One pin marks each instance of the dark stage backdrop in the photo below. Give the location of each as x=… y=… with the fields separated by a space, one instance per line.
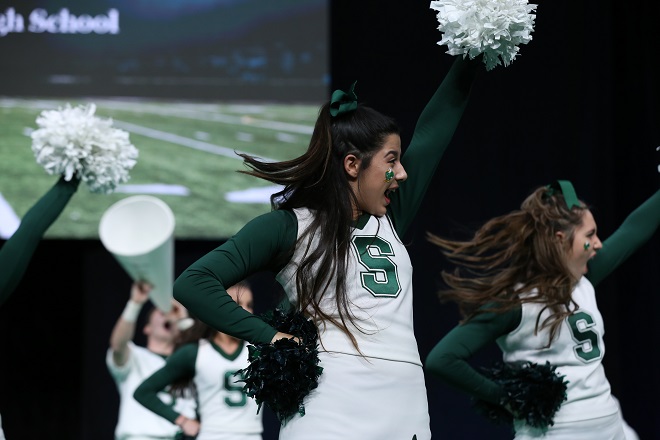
x=580 y=103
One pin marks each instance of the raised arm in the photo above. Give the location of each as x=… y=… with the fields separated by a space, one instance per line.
x=124 y=328
x=16 y=253
x=635 y=230
x=433 y=132
x=449 y=358
x=201 y=288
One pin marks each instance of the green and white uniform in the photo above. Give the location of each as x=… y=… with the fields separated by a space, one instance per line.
x=135 y=422
x=381 y=272
x=379 y=285
x=577 y=351
x=379 y=288
x=225 y=411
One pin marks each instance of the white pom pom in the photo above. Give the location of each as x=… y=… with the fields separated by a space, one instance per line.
x=73 y=142
x=494 y=28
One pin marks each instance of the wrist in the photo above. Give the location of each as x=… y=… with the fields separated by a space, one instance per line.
x=131 y=311
x=180 y=420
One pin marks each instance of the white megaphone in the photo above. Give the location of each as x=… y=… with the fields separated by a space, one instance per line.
x=138 y=231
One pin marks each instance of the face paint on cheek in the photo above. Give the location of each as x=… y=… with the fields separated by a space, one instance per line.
x=389 y=175
x=587 y=245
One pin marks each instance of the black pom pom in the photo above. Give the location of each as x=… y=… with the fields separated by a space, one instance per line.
x=282 y=374
x=533 y=392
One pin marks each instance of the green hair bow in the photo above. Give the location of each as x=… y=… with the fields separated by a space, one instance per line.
x=564 y=187
x=343 y=102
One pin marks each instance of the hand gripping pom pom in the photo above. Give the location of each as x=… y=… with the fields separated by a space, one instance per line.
x=494 y=28
x=283 y=373
x=533 y=393
x=73 y=142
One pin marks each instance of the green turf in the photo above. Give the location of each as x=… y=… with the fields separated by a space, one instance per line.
x=204 y=213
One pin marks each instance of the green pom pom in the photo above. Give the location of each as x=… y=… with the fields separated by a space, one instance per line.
x=282 y=374
x=533 y=392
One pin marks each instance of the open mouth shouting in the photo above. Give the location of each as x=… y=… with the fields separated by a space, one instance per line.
x=388 y=195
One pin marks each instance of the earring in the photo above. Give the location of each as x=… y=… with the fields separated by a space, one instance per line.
x=389 y=175
x=587 y=245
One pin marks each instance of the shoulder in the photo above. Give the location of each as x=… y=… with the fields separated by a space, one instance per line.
x=382 y=226
x=584 y=283
x=272 y=227
x=135 y=354
x=282 y=218
x=191 y=347
x=303 y=217
x=132 y=350
x=203 y=345
x=584 y=288
x=138 y=352
x=185 y=354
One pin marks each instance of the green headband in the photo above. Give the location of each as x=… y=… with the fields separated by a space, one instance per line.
x=565 y=188
x=342 y=102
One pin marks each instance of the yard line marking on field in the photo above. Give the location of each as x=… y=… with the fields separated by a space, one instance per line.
x=253 y=195
x=184 y=141
x=209 y=115
x=9 y=221
x=282 y=126
x=180 y=111
x=153 y=188
x=286 y=137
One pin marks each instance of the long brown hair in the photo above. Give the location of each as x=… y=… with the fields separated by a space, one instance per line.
x=317 y=181
x=516 y=253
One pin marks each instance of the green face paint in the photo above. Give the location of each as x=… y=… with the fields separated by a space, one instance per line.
x=389 y=175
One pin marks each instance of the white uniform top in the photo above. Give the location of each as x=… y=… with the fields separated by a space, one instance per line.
x=383 y=394
x=224 y=409
x=135 y=421
x=378 y=288
x=577 y=352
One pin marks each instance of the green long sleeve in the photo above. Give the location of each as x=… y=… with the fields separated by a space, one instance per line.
x=201 y=288
x=16 y=253
x=433 y=133
x=448 y=360
x=180 y=365
x=635 y=230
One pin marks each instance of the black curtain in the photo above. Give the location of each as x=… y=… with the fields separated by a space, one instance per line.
x=580 y=102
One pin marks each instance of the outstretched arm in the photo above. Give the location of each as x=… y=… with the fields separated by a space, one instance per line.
x=635 y=230
x=449 y=358
x=16 y=253
x=433 y=133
